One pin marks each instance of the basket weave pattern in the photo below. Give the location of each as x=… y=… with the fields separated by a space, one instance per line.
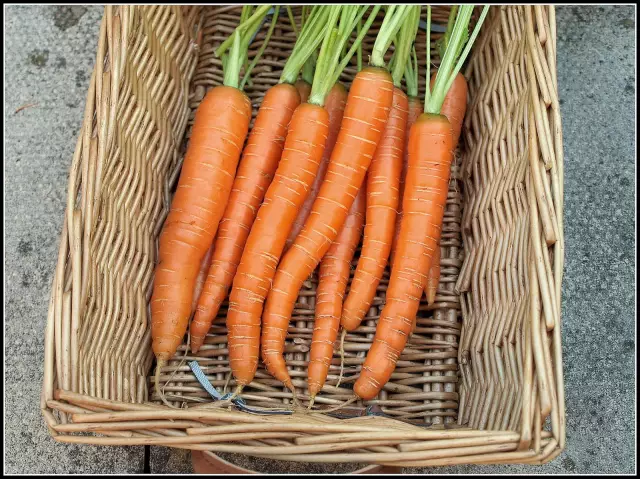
x=483 y=370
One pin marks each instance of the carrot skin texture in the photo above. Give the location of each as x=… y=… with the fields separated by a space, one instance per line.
x=334 y=104
x=365 y=115
x=298 y=166
x=255 y=172
x=383 y=180
x=433 y=278
x=455 y=104
x=415 y=110
x=333 y=277
x=202 y=276
x=304 y=89
x=427 y=181
x=219 y=131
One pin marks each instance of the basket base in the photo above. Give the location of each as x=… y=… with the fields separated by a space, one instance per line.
x=209 y=463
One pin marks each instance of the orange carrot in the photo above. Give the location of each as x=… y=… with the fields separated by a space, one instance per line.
x=430 y=155
x=298 y=166
x=255 y=173
x=433 y=278
x=415 y=110
x=304 y=89
x=382 y=202
x=365 y=114
x=202 y=276
x=426 y=186
x=257 y=168
x=336 y=100
x=333 y=276
x=455 y=104
x=219 y=131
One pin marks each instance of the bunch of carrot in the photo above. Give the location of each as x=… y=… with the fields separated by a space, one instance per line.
x=320 y=166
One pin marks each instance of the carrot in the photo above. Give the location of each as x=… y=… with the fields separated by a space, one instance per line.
x=304 y=84
x=256 y=170
x=219 y=131
x=304 y=88
x=430 y=155
x=365 y=115
x=433 y=277
x=382 y=191
x=455 y=104
x=333 y=276
x=382 y=202
x=201 y=278
x=415 y=110
x=335 y=103
x=303 y=149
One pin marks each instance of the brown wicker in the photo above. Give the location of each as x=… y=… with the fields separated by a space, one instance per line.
x=481 y=375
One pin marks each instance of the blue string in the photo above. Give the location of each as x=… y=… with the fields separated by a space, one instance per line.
x=237 y=401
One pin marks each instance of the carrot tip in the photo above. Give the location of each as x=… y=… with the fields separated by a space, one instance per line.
x=311 y=401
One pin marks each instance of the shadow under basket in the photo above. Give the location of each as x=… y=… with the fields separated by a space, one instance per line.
x=480 y=381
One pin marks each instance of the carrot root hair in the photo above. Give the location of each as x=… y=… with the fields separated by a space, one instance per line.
x=160 y=390
x=351 y=400
x=311 y=401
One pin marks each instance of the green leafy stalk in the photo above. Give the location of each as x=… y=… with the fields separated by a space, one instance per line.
x=427 y=93
x=330 y=66
x=252 y=65
x=359 y=50
x=309 y=68
x=393 y=19
x=403 y=42
x=250 y=22
x=292 y=21
x=357 y=44
x=451 y=64
x=310 y=37
x=411 y=74
x=244 y=25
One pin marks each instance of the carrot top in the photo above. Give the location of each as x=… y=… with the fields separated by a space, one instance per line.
x=311 y=34
x=403 y=44
x=329 y=65
x=411 y=74
x=393 y=20
x=238 y=43
x=255 y=60
x=454 y=56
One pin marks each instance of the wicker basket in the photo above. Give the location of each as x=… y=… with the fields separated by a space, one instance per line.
x=478 y=380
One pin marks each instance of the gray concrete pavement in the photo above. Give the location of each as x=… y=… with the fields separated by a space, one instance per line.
x=49 y=56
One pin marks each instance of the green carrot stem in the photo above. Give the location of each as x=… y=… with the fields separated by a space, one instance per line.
x=411 y=74
x=359 y=50
x=358 y=42
x=403 y=42
x=309 y=68
x=467 y=48
x=234 y=63
x=257 y=16
x=449 y=67
x=292 y=20
x=252 y=65
x=427 y=93
x=310 y=37
x=390 y=25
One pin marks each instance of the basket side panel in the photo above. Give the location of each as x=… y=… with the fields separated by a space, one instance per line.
x=510 y=280
x=125 y=161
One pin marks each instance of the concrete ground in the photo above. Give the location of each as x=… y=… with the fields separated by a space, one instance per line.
x=49 y=56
